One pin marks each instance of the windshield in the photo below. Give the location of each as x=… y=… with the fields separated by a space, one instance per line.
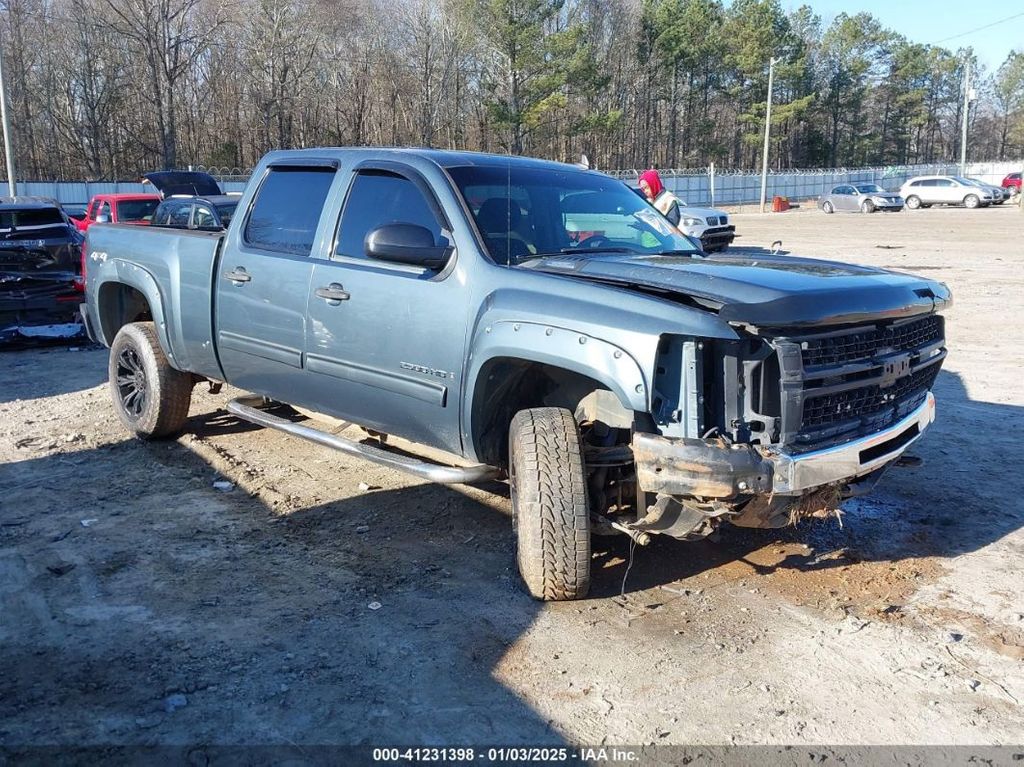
x=869 y=188
x=136 y=210
x=525 y=212
x=225 y=212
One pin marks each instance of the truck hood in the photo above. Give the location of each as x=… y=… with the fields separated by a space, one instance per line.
x=766 y=291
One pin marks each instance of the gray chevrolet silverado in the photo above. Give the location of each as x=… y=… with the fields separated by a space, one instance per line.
x=527 y=319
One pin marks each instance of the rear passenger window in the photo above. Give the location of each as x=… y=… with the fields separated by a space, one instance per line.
x=179 y=215
x=378 y=198
x=286 y=212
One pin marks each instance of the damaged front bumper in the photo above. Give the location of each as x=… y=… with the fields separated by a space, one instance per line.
x=714 y=470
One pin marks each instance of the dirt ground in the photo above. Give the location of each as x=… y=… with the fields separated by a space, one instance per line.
x=321 y=599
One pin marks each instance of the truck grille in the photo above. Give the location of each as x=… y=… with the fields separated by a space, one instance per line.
x=839 y=385
x=827 y=409
x=867 y=342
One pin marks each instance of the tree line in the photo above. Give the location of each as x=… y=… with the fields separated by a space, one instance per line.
x=107 y=89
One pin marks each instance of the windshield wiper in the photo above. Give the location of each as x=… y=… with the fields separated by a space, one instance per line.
x=571 y=251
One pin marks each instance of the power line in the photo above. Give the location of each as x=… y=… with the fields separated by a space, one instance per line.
x=979 y=29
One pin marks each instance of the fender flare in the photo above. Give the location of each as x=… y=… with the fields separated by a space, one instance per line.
x=134 y=276
x=559 y=347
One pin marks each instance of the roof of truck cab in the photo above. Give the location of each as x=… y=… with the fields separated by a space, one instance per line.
x=446 y=158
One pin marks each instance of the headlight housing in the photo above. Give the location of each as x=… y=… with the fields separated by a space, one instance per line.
x=690 y=221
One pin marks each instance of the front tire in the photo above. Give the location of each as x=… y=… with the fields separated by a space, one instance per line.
x=150 y=397
x=827 y=207
x=550 y=509
x=867 y=207
x=913 y=202
x=971 y=201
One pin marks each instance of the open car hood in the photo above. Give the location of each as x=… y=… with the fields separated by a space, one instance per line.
x=193 y=183
x=767 y=291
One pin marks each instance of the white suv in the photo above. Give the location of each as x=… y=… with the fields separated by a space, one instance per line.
x=925 y=191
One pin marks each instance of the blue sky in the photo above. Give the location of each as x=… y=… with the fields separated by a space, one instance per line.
x=930 y=21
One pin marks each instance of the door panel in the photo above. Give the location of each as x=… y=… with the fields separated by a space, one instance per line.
x=263 y=283
x=389 y=354
x=390 y=357
x=261 y=325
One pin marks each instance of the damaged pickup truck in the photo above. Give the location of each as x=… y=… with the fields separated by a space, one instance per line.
x=531 y=320
x=40 y=262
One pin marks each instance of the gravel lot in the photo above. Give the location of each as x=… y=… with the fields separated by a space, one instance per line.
x=140 y=604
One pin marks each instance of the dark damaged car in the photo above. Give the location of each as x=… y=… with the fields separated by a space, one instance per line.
x=533 y=321
x=40 y=262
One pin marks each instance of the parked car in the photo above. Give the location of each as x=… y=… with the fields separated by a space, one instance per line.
x=39 y=262
x=925 y=191
x=708 y=226
x=998 y=195
x=863 y=198
x=622 y=380
x=211 y=213
x=119 y=209
x=1011 y=181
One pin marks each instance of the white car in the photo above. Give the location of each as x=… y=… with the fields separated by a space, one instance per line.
x=925 y=191
x=709 y=225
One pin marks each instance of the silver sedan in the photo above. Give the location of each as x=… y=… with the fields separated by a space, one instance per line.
x=863 y=198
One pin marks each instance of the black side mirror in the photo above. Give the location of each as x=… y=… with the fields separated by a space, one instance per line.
x=406 y=244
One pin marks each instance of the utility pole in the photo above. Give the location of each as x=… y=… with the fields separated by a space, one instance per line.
x=767 y=129
x=12 y=185
x=967 y=111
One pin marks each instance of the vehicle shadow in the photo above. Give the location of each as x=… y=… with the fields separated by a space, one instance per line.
x=955 y=503
x=381 y=618
x=77 y=370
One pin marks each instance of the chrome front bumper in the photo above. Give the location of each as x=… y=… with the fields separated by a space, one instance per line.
x=715 y=470
x=795 y=473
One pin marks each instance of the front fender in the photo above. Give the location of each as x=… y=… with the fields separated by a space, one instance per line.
x=560 y=347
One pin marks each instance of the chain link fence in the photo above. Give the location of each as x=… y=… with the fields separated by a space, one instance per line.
x=714 y=186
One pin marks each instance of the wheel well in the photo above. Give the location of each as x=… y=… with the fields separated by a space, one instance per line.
x=118 y=305
x=507 y=385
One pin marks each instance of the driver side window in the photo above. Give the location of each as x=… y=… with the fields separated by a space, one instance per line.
x=377 y=198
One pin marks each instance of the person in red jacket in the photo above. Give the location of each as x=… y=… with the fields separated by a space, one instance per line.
x=660 y=197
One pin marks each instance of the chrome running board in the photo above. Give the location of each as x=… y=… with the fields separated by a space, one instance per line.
x=243 y=407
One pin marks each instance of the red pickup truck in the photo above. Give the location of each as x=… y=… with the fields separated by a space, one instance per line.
x=119 y=209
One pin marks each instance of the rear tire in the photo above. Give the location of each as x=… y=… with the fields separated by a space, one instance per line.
x=971 y=201
x=550 y=509
x=150 y=397
x=913 y=202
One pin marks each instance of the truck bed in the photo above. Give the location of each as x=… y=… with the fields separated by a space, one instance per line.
x=179 y=265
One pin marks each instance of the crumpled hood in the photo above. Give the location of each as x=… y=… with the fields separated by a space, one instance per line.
x=768 y=291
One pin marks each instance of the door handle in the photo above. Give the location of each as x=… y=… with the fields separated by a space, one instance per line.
x=238 y=274
x=333 y=293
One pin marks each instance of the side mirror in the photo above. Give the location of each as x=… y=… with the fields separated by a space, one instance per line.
x=406 y=244
x=103 y=218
